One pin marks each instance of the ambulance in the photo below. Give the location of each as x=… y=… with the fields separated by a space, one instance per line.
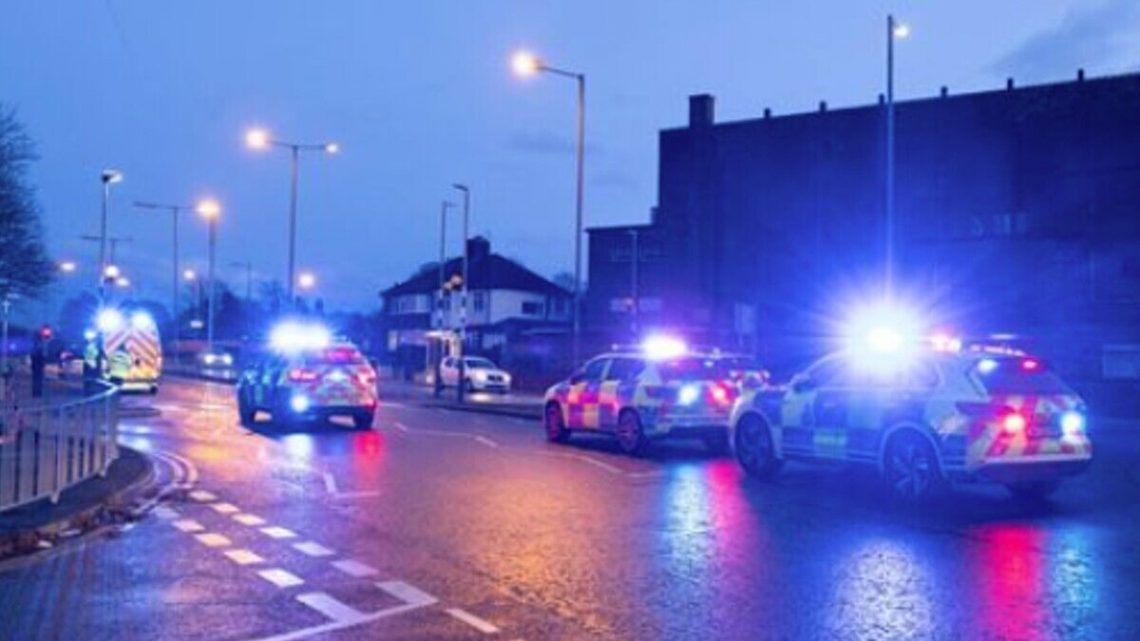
x=130 y=349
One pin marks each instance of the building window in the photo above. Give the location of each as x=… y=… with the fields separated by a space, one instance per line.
x=479 y=300
x=532 y=308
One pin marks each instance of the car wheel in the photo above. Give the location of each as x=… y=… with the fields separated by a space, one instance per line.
x=555 y=424
x=754 y=450
x=1033 y=492
x=717 y=444
x=630 y=435
x=911 y=467
x=246 y=413
x=363 y=420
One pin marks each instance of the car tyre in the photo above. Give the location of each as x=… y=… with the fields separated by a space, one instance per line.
x=246 y=412
x=630 y=434
x=910 y=467
x=1034 y=492
x=555 y=424
x=754 y=449
x=363 y=420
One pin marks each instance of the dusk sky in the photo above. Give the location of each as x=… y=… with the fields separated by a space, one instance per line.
x=420 y=95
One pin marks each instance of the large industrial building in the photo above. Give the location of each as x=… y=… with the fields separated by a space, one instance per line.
x=1017 y=211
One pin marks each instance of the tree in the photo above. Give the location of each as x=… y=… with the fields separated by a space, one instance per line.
x=24 y=265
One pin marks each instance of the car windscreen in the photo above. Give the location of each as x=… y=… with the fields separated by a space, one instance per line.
x=739 y=363
x=691 y=368
x=1018 y=376
x=479 y=363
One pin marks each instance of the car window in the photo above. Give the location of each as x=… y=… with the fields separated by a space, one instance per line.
x=625 y=369
x=479 y=363
x=594 y=369
x=831 y=372
x=1013 y=376
x=691 y=368
x=340 y=355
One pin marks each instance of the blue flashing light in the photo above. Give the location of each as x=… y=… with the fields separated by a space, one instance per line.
x=1072 y=423
x=109 y=320
x=141 y=320
x=292 y=336
x=987 y=365
x=663 y=347
x=299 y=403
x=689 y=394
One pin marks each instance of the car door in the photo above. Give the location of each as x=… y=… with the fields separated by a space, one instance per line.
x=803 y=417
x=582 y=399
x=617 y=388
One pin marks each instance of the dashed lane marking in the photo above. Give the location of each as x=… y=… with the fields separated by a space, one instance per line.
x=276 y=532
x=407 y=593
x=165 y=513
x=330 y=483
x=249 y=519
x=226 y=508
x=392 y=587
x=331 y=607
x=188 y=525
x=202 y=496
x=400 y=426
x=312 y=548
x=355 y=568
x=281 y=578
x=244 y=557
x=213 y=540
x=486 y=441
x=470 y=619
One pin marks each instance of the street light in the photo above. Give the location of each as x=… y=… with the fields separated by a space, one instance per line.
x=306 y=280
x=463 y=294
x=526 y=64
x=174 y=211
x=111 y=272
x=260 y=139
x=895 y=31
x=68 y=266
x=443 y=209
x=109 y=177
x=210 y=210
x=123 y=282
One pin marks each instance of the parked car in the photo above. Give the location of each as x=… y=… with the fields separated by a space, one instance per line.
x=479 y=375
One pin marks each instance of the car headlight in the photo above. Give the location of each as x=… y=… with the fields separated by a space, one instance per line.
x=227 y=360
x=209 y=359
x=688 y=394
x=299 y=403
x=479 y=375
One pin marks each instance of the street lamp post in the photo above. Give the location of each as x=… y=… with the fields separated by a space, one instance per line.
x=443 y=208
x=459 y=385
x=526 y=64
x=895 y=30
x=211 y=210
x=109 y=177
x=633 y=285
x=260 y=139
x=174 y=211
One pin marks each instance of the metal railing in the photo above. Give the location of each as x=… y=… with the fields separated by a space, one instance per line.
x=46 y=449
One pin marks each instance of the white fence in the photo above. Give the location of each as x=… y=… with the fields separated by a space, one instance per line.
x=47 y=449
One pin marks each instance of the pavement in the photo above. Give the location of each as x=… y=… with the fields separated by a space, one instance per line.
x=440 y=524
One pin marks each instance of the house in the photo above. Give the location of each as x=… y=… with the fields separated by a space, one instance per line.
x=506 y=301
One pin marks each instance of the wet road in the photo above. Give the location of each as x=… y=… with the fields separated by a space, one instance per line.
x=447 y=525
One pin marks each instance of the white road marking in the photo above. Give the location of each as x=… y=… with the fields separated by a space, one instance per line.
x=249 y=519
x=357 y=495
x=188 y=525
x=331 y=608
x=355 y=568
x=165 y=513
x=486 y=441
x=278 y=532
x=202 y=496
x=400 y=426
x=213 y=539
x=312 y=548
x=305 y=633
x=330 y=483
x=473 y=621
x=244 y=557
x=407 y=593
x=281 y=578
x=226 y=508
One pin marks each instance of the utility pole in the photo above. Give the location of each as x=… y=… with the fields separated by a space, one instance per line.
x=633 y=285
x=462 y=382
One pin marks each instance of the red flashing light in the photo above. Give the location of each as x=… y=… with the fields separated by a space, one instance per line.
x=1014 y=423
x=301 y=375
x=721 y=394
x=1030 y=365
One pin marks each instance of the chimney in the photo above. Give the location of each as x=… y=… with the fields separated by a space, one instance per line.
x=1009 y=84
x=478 y=248
x=701 y=110
x=1080 y=75
x=767 y=112
x=822 y=105
x=945 y=91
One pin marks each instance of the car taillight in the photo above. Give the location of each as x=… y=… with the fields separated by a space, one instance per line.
x=302 y=375
x=721 y=394
x=367 y=379
x=1014 y=423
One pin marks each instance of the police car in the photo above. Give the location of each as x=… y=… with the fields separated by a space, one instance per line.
x=946 y=414
x=660 y=390
x=307 y=376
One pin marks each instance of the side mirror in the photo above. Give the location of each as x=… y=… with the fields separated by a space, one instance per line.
x=577 y=377
x=802 y=384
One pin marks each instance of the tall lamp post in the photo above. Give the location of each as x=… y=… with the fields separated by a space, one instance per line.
x=174 y=210
x=443 y=209
x=527 y=64
x=895 y=31
x=210 y=210
x=261 y=139
x=109 y=177
x=459 y=385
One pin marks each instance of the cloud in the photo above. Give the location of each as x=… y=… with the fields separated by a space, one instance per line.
x=1086 y=37
x=548 y=143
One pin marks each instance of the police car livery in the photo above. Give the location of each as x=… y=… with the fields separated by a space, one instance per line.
x=948 y=414
x=306 y=377
x=643 y=395
x=128 y=348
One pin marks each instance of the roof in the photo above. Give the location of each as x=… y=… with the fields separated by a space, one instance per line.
x=487 y=272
